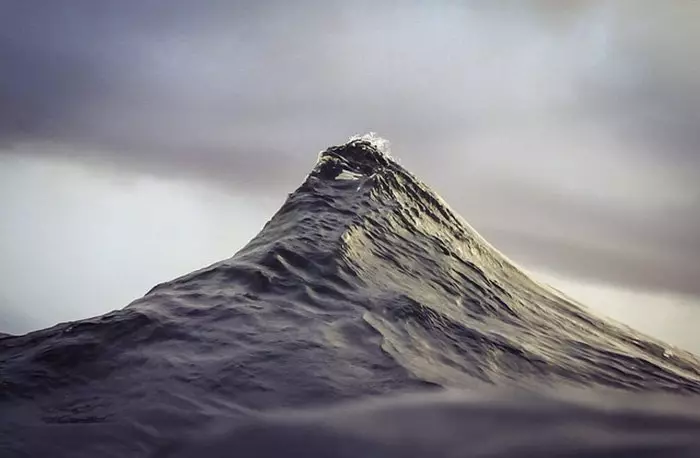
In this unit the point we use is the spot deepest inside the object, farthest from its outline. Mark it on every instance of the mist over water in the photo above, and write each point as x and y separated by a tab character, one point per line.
335	332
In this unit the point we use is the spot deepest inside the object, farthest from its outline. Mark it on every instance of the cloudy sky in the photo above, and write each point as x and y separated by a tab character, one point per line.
141	139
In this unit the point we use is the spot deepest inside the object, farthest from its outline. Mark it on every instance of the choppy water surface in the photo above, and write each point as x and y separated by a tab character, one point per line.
335	332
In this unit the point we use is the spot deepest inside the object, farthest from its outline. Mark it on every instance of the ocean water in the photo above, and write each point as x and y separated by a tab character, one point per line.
366	319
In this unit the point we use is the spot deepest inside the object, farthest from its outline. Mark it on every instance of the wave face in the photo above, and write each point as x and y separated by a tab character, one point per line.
364	285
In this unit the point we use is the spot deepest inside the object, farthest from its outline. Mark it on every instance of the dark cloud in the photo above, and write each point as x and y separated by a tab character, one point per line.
567	131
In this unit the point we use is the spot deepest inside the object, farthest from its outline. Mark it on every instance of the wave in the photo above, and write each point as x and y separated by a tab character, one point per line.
364	283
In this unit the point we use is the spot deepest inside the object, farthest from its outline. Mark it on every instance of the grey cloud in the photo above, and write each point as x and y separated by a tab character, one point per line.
14	319
644	250
589	262
246	92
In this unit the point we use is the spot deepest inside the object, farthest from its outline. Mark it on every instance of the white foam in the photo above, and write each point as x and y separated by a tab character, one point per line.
379	143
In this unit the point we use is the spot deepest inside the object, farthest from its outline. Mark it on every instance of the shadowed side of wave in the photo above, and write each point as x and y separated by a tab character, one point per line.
365	283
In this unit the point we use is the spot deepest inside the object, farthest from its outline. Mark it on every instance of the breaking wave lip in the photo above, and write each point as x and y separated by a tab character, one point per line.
364	285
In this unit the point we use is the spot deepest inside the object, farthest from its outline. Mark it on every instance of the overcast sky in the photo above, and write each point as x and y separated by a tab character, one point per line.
140	139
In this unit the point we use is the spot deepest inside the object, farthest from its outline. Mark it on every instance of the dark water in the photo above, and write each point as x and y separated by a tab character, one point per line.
335	332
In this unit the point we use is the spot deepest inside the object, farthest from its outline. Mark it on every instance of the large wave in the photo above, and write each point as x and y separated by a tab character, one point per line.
365	283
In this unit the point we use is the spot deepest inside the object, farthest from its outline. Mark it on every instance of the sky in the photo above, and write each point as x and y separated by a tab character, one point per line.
142	139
